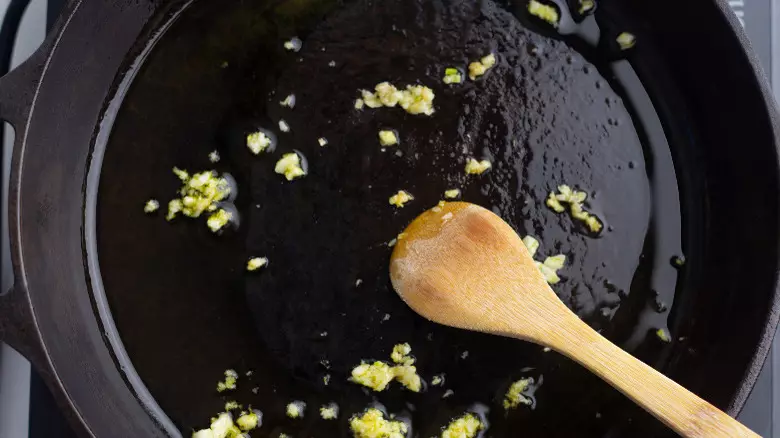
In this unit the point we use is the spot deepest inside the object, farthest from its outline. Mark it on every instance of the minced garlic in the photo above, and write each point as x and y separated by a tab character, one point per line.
663	335
586	6
549	268
248	421
329	411
626	40
151	206
515	395
258	142
219	219
214	156
379	374
408	377
545	12
388	138
290	166
231	376
283	126
288	101
452	76
531	244
555	262
575	199
375	376
296	409
554	203
232	405
199	193
474	167
437	380
400	354
372	424
400	198
452	193
479	68
322	141
467	426
174	207
293	44
256	263
221	427
416	99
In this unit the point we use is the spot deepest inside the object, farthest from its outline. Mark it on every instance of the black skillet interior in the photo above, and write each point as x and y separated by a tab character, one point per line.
556	109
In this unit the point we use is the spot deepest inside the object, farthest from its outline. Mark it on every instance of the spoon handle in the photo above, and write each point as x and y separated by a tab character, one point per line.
681	410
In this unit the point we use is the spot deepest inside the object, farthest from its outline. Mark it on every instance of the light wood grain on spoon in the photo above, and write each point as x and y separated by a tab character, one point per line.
461	265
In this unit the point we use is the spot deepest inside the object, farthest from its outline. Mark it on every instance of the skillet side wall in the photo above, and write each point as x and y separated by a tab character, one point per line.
730	102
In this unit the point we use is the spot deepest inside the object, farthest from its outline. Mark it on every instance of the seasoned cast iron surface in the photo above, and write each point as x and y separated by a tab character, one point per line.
544	115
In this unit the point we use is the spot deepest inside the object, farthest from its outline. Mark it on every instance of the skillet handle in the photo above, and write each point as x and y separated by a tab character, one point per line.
18	88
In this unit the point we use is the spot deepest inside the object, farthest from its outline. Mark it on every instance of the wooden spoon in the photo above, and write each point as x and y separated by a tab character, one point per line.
460	265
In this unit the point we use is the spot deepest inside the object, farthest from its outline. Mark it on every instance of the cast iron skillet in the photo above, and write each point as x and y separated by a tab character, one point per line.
66	99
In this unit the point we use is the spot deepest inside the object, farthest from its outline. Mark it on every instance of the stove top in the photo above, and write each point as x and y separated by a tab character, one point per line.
27	409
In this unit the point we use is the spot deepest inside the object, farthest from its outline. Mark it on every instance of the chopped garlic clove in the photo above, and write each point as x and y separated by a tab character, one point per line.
586	6
474	167
388	138
290	166
488	61
467	426
400	198
258	142
296	409
288	101
151	206
256	263
626	40
294	44
452	193
329	411
248	421
531	244
555	262
218	220
545	12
